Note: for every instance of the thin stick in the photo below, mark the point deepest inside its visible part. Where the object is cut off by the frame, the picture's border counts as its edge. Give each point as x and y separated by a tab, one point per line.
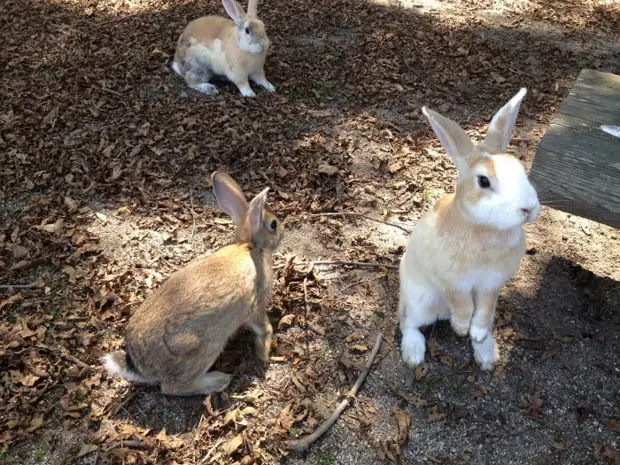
121	18
206	457
18	286
129	304
304	443
121	405
191	204
359	215
360	264
307	307
74	359
105	89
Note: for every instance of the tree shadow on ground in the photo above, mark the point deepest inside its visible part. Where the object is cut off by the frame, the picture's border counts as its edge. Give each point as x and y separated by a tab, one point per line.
556	350
99	133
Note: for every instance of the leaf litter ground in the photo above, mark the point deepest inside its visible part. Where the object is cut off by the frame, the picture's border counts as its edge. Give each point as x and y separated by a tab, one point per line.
105	159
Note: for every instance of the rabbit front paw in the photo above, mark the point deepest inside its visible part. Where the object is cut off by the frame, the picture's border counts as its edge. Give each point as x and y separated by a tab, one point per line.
247	91
268	86
413	348
486	353
478	333
205	88
460	326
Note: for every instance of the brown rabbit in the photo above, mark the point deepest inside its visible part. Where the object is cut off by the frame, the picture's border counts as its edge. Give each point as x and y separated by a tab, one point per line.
179	331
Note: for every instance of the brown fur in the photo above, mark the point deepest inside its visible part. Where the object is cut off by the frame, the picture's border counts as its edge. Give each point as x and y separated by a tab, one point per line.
181	329
206	313
207	29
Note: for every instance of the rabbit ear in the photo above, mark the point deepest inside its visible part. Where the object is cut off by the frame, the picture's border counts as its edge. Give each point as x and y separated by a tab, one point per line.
257	210
253	8
229	196
234	10
452	136
503	123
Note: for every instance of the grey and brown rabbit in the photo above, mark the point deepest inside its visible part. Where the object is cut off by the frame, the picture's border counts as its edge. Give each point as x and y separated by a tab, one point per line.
179	331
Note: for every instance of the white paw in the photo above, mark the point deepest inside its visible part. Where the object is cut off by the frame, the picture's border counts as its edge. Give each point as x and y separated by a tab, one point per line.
205	88
176	68
460	327
486	353
413	347
268	86
247	92
478	333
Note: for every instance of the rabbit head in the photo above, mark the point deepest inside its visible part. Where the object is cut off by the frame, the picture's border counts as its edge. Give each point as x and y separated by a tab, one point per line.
254	223
251	32
493	188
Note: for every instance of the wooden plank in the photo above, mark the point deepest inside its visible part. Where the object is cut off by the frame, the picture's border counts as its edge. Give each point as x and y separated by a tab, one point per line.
574	184
598	96
595	96
577	165
599	79
590	112
588	142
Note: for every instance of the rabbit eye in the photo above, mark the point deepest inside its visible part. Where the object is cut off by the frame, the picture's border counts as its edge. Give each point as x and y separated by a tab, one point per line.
484	182
273	225
247	30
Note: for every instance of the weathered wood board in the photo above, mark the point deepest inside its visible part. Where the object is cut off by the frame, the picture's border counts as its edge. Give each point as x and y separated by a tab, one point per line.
577	165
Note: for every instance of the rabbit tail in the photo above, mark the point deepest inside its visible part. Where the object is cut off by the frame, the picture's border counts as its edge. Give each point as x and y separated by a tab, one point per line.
119	363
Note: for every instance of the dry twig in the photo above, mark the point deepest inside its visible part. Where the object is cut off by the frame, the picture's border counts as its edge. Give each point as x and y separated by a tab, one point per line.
19	286
206	457
307	306
191	204
359	215
306	442
74	359
105	89
354	263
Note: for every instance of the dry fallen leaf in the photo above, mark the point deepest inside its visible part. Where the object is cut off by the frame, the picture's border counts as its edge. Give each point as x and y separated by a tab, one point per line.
286	320
87	449
403	421
19	251
613	425
435	415
434	348
29	380
421	371
607	453
359	348
286	418
35	423
562	338
563	445
72	204
54	228
328	169
412	399
232	445
532	405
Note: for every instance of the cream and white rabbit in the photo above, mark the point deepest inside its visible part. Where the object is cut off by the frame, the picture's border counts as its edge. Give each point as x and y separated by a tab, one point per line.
216	46
179	331
466	248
